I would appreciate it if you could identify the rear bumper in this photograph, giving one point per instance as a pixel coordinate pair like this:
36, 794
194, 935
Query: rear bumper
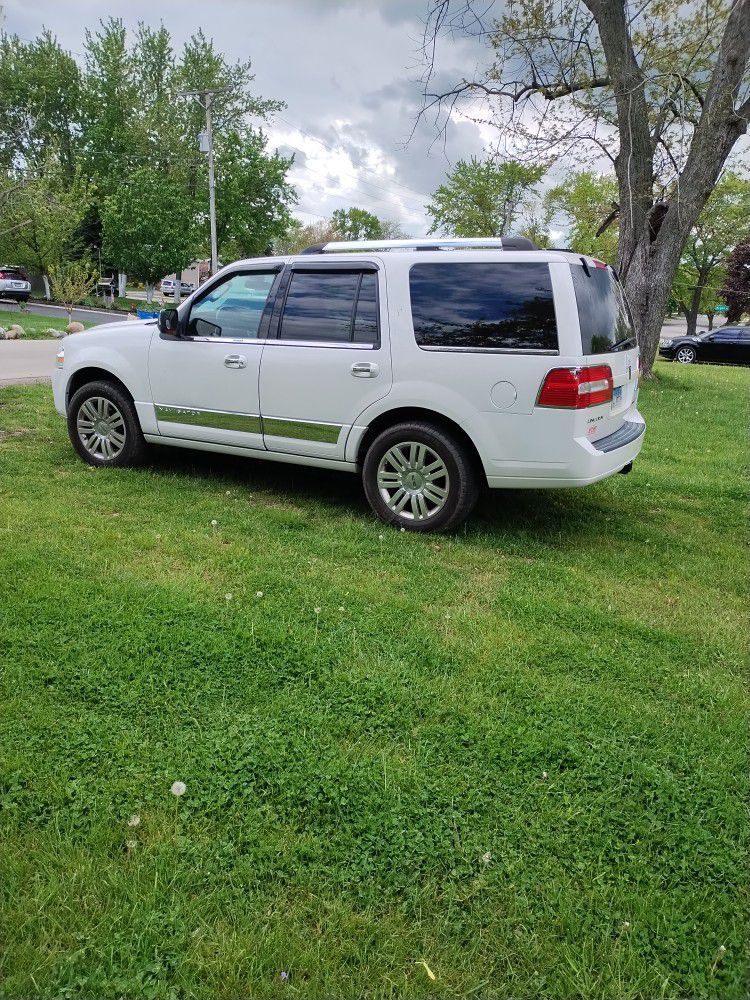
590, 462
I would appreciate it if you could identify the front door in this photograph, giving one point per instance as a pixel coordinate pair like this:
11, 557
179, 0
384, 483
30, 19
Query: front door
326, 358
204, 382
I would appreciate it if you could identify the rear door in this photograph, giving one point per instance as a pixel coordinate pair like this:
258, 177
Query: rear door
607, 338
327, 357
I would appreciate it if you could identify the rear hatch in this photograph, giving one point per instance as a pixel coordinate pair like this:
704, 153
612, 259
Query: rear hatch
607, 338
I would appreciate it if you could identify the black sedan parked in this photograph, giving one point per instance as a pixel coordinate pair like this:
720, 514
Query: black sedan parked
730, 344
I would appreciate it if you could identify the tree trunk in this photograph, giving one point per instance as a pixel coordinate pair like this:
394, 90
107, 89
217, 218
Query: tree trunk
149, 292
122, 284
47, 290
710, 320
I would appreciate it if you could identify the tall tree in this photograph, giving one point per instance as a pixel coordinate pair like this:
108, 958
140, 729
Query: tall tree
39, 102
660, 87
736, 288
482, 197
586, 205
253, 195
45, 212
148, 227
724, 221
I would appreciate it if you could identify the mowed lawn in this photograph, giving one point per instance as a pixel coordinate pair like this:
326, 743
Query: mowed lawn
35, 327
514, 760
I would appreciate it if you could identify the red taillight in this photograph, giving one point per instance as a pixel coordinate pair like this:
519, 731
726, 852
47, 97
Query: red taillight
576, 388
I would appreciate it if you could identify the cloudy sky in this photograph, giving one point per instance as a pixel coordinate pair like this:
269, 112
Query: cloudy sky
348, 71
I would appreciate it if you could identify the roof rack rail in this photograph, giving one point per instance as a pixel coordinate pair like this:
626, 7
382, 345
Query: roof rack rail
491, 243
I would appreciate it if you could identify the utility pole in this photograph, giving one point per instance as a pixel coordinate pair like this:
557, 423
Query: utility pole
204, 99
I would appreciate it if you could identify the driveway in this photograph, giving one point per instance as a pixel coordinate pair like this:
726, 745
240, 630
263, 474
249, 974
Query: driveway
95, 316
25, 361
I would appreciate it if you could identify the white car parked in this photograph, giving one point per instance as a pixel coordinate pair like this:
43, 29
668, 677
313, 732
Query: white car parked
429, 367
169, 285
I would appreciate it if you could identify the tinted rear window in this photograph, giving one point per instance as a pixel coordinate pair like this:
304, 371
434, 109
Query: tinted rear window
602, 311
490, 306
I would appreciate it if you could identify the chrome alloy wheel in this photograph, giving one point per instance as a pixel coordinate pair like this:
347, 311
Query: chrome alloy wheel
685, 355
101, 428
413, 480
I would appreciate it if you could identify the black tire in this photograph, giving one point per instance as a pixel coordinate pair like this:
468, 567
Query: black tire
130, 451
460, 479
686, 355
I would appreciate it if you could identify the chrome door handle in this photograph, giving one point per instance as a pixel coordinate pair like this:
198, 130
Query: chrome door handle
235, 361
364, 369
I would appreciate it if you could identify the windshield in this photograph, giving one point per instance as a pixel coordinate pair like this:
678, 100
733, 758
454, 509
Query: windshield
602, 310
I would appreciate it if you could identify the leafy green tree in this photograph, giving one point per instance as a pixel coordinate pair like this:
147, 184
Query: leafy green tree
725, 218
586, 204
40, 103
736, 288
44, 212
359, 224
148, 228
483, 197
253, 195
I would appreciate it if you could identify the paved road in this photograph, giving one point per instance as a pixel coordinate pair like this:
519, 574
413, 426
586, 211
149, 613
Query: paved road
23, 361
95, 316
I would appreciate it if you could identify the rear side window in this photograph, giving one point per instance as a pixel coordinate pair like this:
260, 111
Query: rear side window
331, 305
602, 311
489, 307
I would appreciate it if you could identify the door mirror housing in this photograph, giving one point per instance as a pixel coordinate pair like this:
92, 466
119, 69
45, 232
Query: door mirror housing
168, 321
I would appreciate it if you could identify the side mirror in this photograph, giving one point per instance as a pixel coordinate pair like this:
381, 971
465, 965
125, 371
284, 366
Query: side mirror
168, 320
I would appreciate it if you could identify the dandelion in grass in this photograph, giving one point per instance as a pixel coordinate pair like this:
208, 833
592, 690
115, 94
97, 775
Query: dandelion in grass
178, 789
719, 955
131, 845
486, 857
317, 620
259, 594
228, 597
214, 523
284, 977
544, 775
134, 821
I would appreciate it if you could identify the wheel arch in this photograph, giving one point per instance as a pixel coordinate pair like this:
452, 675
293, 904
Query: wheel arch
402, 414
90, 373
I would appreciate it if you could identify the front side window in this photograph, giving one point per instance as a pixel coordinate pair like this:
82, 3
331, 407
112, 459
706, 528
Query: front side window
485, 306
331, 306
232, 309
602, 311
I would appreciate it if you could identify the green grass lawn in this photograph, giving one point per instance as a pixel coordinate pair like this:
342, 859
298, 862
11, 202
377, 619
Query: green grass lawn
35, 327
517, 755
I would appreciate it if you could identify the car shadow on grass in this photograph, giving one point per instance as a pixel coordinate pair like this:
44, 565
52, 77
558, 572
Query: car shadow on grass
553, 516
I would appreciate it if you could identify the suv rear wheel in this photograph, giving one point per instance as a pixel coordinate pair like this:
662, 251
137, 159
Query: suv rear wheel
104, 427
419, 477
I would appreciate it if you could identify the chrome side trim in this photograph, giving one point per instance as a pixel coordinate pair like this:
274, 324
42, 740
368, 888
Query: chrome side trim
301, 430
250, 423
224, 420
340, 345
488, 350
224, 340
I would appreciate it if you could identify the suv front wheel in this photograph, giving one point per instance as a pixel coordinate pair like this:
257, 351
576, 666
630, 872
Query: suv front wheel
103, 426
419, 477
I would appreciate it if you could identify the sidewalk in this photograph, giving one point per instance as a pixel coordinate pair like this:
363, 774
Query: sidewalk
23, 362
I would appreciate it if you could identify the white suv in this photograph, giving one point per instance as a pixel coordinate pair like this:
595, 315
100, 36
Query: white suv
430, 367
